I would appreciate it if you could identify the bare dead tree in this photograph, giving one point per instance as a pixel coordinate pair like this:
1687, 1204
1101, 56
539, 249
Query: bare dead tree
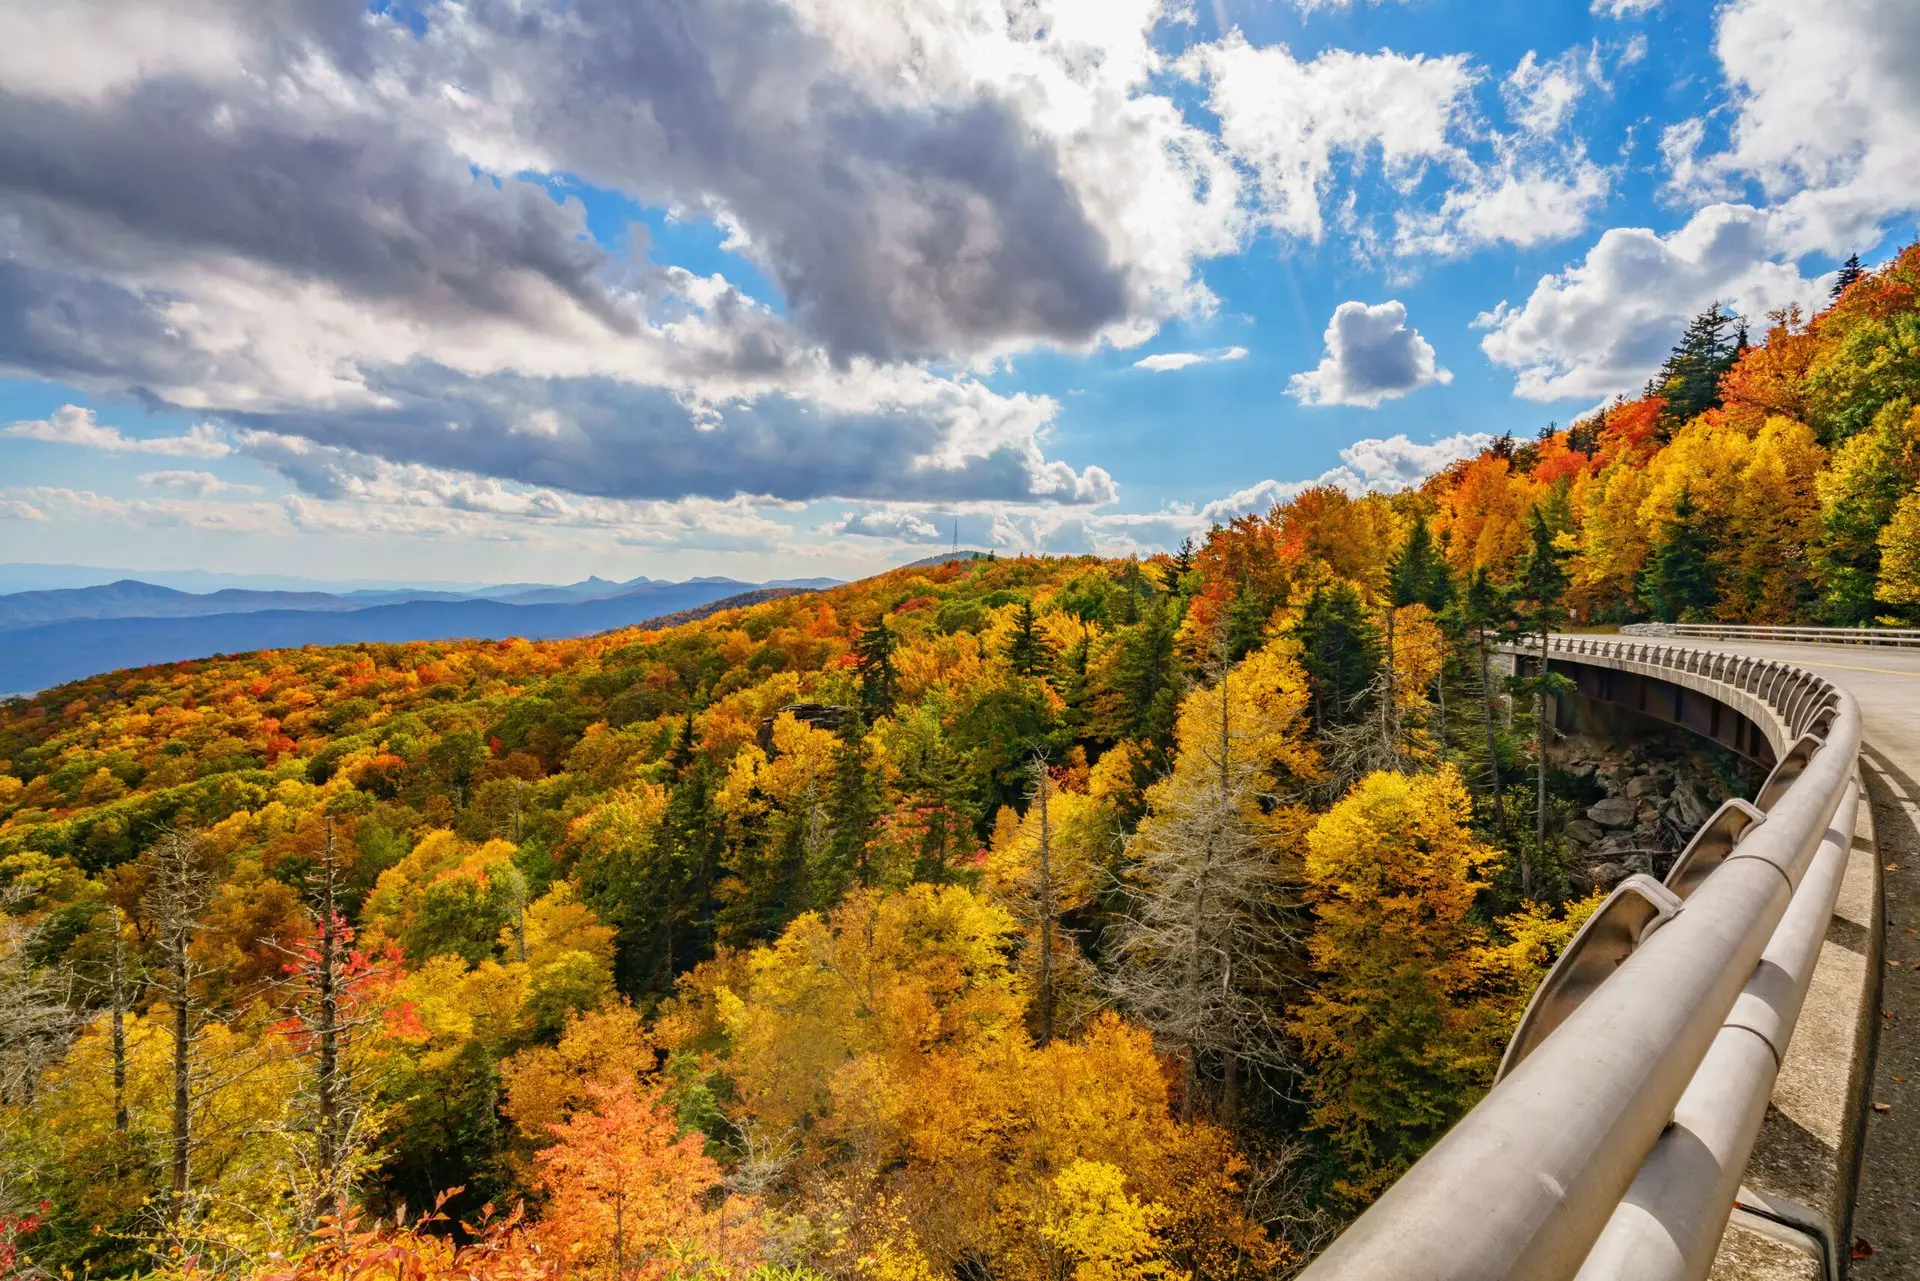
1198, 954
332, 1124
37, 1022
1387, 740
183, 883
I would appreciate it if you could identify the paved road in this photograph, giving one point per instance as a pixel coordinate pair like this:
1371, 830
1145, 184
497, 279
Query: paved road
1887, 683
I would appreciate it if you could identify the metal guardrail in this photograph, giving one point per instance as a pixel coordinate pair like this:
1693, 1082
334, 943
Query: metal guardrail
1803, 635
1613, 1143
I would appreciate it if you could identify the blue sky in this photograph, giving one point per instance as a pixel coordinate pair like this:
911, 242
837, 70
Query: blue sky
790, 287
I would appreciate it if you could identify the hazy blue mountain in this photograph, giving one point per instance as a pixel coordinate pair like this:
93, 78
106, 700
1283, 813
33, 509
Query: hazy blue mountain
28, 577
130, 598
35, 657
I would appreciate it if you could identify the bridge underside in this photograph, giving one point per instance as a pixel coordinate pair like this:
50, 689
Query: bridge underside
1599, 688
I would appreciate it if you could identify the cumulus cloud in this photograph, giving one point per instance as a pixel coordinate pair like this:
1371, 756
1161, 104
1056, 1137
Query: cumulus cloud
1371, 356
14, 509
1373, 464
901, 524
1825, 107
77, 425
1168, 361
1603, 325
309, 219
200, 484
1827, 114
1290, 123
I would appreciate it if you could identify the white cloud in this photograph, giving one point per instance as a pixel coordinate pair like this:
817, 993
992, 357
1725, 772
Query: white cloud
1825, 123
1289, 121
14, 509
1541, 96
1538, 185
76, 425
1624, 8
1168, 361
898, 523
1371, 356
1373, 464
1827, 114
1602, 326
200, 484
62, 503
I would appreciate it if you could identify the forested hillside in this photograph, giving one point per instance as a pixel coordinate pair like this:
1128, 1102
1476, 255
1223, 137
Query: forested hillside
1013, 918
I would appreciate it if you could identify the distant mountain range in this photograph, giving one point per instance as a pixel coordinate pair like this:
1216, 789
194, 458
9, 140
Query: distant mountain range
51, 636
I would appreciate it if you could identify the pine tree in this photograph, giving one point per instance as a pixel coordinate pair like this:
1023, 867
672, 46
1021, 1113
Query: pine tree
1678, 581
1179, 567
1419, 574
1850, 271
1340, 653
853, 808
1246, 622
879, 684
1026, 650
1543, 589
1143, 692
1689, 380
1485, 610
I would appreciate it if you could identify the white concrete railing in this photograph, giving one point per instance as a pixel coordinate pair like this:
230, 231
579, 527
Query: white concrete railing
1762, 632
1613, 1143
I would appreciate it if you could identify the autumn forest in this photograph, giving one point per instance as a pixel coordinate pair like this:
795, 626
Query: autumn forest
1009, 918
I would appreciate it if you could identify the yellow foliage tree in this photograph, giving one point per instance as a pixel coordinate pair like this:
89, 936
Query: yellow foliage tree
1108, 1233
1400, 1033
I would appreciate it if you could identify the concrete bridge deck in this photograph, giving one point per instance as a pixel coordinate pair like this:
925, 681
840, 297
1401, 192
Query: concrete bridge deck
1886, 681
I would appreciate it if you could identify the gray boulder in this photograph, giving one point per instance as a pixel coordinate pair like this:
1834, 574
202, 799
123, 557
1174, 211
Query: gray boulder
1584, 831
1606, 875
1615, 811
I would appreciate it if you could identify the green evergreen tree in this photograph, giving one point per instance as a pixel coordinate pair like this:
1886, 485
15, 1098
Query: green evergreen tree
1542, 589
1142, 695
1689, 380
1678, 582
873, 664
1246, 622
853, 806
1340, 652
1483, 611
1178, 568
1420, 575
1850, 271
1072, 680
659, 895
1027, 652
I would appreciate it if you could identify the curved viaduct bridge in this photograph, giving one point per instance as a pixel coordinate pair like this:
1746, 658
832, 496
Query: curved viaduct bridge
1721, 1076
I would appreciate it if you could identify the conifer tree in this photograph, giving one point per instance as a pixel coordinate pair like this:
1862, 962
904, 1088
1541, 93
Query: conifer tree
853, 808
1340, 653
1678, 581
1419, 574
1850, 271
1180, 566
1689, 380
1026, 650
873, 663
1485, 610
1144, 690
1543, 589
